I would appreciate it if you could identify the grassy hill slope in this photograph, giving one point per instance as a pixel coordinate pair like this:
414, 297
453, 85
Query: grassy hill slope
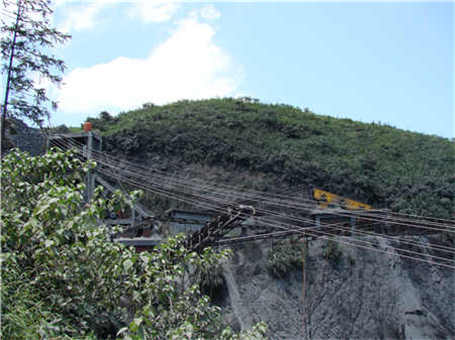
378, 164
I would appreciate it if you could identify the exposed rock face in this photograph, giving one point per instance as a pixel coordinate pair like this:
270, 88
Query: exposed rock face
363, 294
26, 138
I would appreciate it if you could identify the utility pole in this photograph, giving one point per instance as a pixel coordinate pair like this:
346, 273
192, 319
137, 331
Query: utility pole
8, 82
90, 175
304, 260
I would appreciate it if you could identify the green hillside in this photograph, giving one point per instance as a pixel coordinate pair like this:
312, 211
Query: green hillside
378, 164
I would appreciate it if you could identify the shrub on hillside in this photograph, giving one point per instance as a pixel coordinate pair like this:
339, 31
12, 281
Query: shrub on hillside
332, 252
284, 257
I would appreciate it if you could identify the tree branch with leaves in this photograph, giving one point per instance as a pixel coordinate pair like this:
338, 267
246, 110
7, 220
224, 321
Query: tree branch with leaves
26, 44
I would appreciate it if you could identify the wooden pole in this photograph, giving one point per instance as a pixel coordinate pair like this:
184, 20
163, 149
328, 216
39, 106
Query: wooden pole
304, 255
133, 216
90, 175
353, 226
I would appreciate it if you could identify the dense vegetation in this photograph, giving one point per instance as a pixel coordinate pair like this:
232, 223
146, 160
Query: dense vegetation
405, 171
63, 279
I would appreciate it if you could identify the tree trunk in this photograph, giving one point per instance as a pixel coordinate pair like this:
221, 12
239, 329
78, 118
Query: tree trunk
8, 82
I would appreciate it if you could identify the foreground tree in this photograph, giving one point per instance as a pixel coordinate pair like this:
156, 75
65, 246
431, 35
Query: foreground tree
61, 277
27, 38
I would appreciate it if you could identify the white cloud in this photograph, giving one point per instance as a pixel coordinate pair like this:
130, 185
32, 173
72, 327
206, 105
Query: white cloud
84, 15
189, 65
79, 17
154, 11
209, 12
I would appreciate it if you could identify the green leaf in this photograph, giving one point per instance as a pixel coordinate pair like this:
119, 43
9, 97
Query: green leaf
127, 265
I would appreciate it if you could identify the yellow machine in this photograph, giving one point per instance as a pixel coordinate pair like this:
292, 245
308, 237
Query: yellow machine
325, 199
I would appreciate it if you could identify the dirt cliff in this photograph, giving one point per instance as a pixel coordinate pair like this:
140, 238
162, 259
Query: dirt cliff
361, 294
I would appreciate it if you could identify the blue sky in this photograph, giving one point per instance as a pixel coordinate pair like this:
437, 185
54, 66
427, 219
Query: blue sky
384, 62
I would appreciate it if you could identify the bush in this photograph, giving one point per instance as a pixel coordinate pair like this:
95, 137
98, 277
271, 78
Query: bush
332, 253
284, 257
61, 277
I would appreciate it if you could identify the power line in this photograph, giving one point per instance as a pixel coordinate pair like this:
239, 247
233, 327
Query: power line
139, 182
346, 214
261, 197
307, 230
